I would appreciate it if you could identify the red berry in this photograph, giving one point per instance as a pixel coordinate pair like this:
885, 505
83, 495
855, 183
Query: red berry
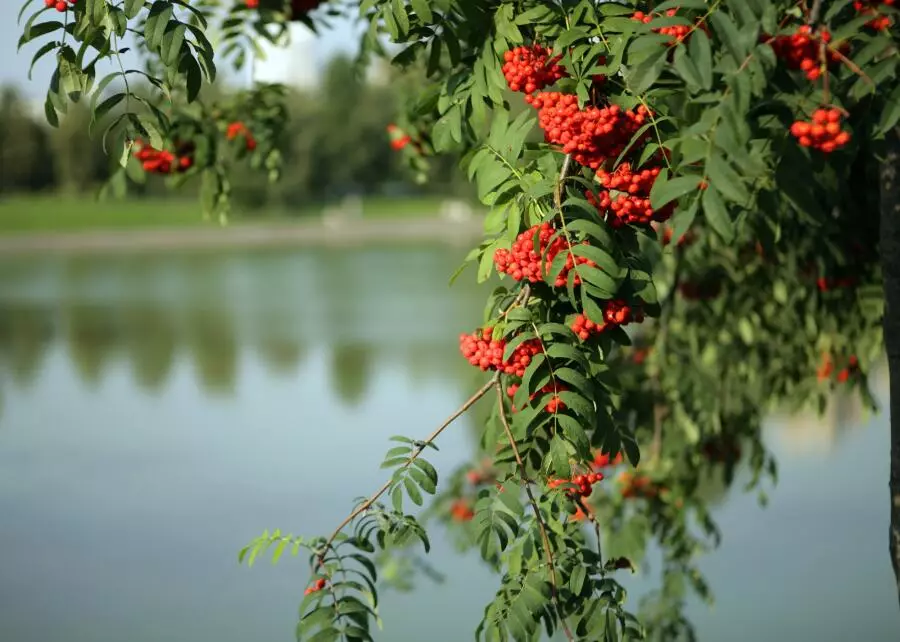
530, 69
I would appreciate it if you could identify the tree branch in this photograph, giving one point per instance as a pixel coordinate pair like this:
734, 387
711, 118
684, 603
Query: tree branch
560, 184
366, 505
890, 262
815, 11
548, 552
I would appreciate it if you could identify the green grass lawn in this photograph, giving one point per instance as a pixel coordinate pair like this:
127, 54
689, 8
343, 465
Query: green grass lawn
53, 213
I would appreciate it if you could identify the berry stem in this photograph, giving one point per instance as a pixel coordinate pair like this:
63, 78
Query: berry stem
852, 66
558, 193
366, 505
593, 519
534, 507
823, 61
815, 11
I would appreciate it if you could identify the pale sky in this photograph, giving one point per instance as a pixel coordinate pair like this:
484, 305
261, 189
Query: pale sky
342, 37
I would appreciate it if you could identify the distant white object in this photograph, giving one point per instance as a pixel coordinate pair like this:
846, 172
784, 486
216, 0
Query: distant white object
294, 65
350, 209
456, 211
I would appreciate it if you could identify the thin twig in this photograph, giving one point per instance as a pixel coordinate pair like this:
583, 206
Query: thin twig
537, 512
563, 174
366, 505
852, 66
826, 80
815, 11
593, 519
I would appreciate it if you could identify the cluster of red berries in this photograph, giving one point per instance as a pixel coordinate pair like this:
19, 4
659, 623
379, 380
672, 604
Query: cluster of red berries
317, 586
677, 32
483, 475
252, 4
584, 482
823, 133
530, 69
593, 134
525, 261
626, 199
485, 352
639, 356
461, 511
800, 50
879, 21
399, 140
59, 5
603, 460
238, 128
161, 161
825, 284
639, 486
616, 313
826, 368
553, 406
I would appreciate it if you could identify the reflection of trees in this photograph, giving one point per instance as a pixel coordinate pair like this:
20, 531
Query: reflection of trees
25, 334
93, 336
213, 345
152, 342
351, 371
281, 354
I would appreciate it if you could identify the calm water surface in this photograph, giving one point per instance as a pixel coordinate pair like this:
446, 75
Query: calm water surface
157, 413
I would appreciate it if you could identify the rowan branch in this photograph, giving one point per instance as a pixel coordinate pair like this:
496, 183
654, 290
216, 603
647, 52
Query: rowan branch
560, 184
366, 505
815, 11
548, 552
852, 66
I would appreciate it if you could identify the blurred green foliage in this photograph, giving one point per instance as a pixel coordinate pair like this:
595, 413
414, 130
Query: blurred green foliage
336, 145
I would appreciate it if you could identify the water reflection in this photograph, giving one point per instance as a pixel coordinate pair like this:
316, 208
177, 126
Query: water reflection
183, 403
218, 309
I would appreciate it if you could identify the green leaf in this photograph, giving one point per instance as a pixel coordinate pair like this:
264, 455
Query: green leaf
133, 7
36, 31
193, 77
701, 56
107, 105
890, 115
648, 71
575, 433
422, 10
559, 457
728, 35
666, 190
717, 214
157, 21
96, 11
172, 42
400, 16
413, 491
50, 112
686, 68
726, 180
46, 48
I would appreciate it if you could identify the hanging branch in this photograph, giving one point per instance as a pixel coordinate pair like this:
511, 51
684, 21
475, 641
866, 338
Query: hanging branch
548, 552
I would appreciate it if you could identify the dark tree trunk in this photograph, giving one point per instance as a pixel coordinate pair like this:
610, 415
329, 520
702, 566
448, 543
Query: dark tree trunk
890, 261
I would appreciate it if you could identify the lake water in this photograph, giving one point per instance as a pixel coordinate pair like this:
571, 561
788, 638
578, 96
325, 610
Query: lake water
158, 412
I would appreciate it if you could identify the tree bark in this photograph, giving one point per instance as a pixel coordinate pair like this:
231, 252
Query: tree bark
890, 262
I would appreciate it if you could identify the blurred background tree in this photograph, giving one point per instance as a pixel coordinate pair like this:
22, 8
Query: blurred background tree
336, 145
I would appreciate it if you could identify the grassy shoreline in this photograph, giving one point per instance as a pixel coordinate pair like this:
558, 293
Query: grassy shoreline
56, 214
